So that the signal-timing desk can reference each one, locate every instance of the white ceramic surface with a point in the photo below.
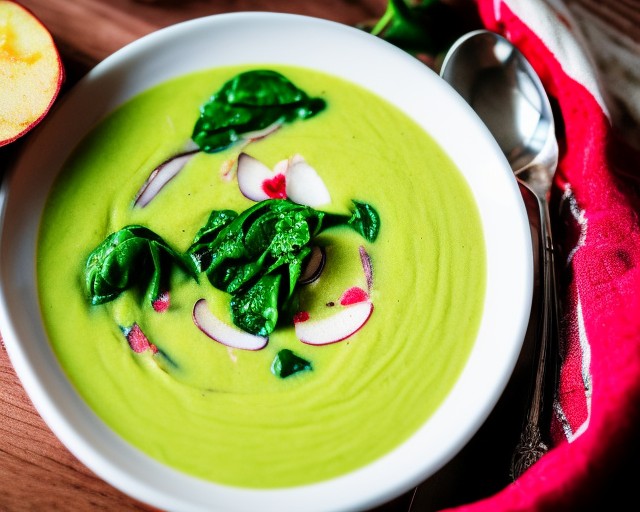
(268, 38)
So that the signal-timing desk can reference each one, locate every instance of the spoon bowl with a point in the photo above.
(504, 90)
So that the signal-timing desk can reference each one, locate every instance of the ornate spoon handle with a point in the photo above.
(532, 445)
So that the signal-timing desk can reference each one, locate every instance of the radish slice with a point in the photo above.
(137, 340)
(261, 134)
(281, 167)
(305, 186)
(366, 266)
(315, 265)
(161, 304)
(257, 182)
(224, 333)
(160, 176)
(293, 178)
(334, 328)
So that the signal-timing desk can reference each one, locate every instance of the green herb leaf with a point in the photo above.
(287, 363)
(251, 101)
(255, 310)
(132, 256)
(364, 220)
(218, 220)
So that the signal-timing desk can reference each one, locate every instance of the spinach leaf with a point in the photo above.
(364, 220)
(132, 256)
(268, 232)
(256, 310)
(218, 220)
(287, 363)
(251, 101)
(258, 255)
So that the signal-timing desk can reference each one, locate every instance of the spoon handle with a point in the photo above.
(532, 445)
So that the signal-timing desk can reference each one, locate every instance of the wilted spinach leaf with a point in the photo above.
(251, 101)
(132, 256)
(287, 363)
(256, 310)
(364, 219)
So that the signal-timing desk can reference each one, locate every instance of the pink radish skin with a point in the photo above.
(252, 175)
(161, 304)
(138, 341)
(334, 328)
(222, 332)
(366, 266)
(275, 187)
(292, 179)
(161, 175)
(353, 295)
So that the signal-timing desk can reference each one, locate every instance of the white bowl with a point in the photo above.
(286, 39)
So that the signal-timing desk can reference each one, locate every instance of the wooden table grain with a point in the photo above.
(36, 471)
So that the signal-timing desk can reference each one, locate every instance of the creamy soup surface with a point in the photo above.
(218, 412)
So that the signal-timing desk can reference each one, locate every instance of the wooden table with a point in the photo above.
(36, 471)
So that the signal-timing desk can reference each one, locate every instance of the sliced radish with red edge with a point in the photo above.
(261, 134)
(160, 176)
(334, 328)
(222, 332)
(366, 266)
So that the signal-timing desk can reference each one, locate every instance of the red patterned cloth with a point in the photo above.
(595, 206)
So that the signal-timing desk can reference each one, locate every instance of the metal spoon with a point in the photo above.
(504, 90)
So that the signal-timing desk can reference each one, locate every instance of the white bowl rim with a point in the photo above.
(509, 273)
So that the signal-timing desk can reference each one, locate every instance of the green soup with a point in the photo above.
(218, 412)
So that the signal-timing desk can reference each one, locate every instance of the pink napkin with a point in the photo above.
(594, 208)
